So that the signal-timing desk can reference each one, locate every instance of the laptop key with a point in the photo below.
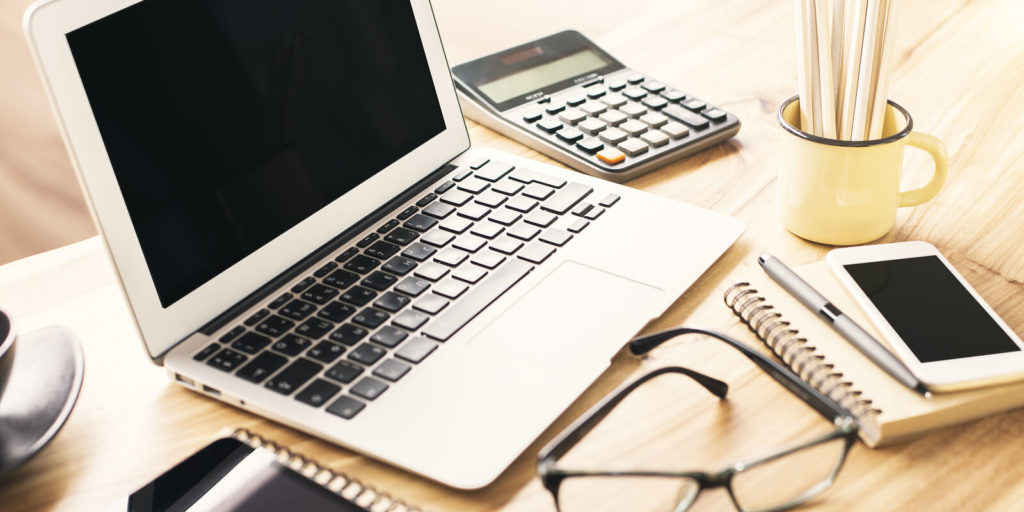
(344, 372)
(358, 295)
(411, 319)
(399, 265)
(274, 326)
(507, 187)
(506, 245)
(367, 354)
(469, 273)
(536, 252)
(412, 286)
(341, 279)
(314, 328)
(346, 254)
(494, 170)
(285, 297)
(505, 216)
(578, 226)
(473, 185)
(457, 225)
(470, 243)
(206, 352)
(336, 312)
(439, 210)
(319, 294)
(539, 218)
(401, 236)
(370, 318)
(566, 198)
(233, 333)
(521, 204)
(487, 229)
(291, 345)
(437, 238)
(362, 264)
(416, 350)
(392, 370)
(425, 200)
(388, 226)
(349, 334)
(444, 187)
(389, 336)
(474, 211)
(431, 271)
(369, 388)
(461, 312)
(382, 250)
(431, 303)
(456, 197)
(556, 237)
(346, 407)
(491, 259)
(379, 280)
(261, 367)
(317, 393)
(451, 257)
(420, 222)
(450, 288)
(367, 240)
(227, 360)
(538, 191)
(419, 252)
(250, 343)
(325, 351)
(524, 232)
(256, 317)
(294, 376)
(391, 301)
(324, 270)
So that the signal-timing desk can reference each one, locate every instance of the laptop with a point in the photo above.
(301, 229)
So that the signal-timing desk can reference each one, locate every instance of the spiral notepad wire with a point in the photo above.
(765, 321)
(349, 488)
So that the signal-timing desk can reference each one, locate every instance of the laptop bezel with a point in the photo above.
(46, 25)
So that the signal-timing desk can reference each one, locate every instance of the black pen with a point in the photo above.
(842, 324)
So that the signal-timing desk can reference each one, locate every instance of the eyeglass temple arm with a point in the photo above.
(587, 423)
(826, 407)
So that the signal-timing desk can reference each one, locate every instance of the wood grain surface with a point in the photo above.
(958, 69)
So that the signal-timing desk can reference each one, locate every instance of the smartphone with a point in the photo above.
(229, 475)
(940, 327)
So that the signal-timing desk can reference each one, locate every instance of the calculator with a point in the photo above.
(567, 98)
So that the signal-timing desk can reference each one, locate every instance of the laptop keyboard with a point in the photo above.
(356, 325)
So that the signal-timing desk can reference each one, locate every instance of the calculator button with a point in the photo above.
(654, 87)
(598, 80)
(655, 138)
(654, 119)
(613, 135)
(595, 92)
(613, 117)
(715, 114)
(555, 108)
(532, 116)
(634, 93)
(654, 102)
(617, 85)
(572, 115)
(633, 110)
(633, 147)
(544, 99)
(576, 100)
(675, 130)
(569, 134)
(590, 145)
(686, 117)
(635, 79)
(611, 156)
(593, 108)
(694, 104)
(592, 126)
(673, 95)
(550, 125)
(614, 100)
(633, 127)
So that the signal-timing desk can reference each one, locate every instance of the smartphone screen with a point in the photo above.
(229, 475)
(930, 309)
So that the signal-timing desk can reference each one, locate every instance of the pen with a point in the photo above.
(842, 324)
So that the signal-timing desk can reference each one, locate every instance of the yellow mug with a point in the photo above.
(841, 192)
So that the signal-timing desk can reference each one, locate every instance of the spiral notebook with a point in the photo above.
(886, 411)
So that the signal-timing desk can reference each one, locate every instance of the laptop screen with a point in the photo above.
(227, 122)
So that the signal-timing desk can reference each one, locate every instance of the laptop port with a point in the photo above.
(184, 380)
(211, 391)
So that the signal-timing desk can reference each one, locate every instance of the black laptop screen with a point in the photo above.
(228, 122)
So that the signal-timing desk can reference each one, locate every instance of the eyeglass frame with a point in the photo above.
(845, 426)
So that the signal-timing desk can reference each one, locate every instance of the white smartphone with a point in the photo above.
(940, 327)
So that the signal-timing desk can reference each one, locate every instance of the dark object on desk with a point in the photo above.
(569, 99)
(567, 484)
(38, 389)
(841, 323)
(254, 475)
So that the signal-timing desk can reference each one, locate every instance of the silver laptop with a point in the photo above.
(288, 196)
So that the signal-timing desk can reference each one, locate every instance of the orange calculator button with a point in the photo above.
(611, 156)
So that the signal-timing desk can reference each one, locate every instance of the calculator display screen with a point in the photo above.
(931, 311)
(522, 82)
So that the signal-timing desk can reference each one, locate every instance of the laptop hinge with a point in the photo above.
(325, 250)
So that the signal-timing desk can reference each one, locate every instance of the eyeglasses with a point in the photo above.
(780, 480)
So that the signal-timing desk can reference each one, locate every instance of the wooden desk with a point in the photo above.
(958, 69)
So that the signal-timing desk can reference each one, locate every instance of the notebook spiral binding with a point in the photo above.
(366, 497)
(793, 350)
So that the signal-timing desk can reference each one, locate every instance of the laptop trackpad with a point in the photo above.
(574, 312)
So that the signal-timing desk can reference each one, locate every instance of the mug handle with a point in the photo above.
(934, 147)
